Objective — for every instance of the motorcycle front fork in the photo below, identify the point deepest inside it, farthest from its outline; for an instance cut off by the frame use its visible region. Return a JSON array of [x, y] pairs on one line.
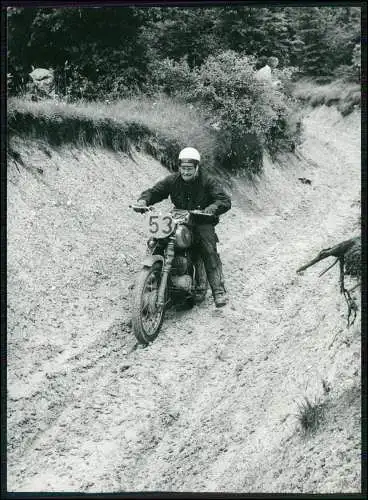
[[168, 259]]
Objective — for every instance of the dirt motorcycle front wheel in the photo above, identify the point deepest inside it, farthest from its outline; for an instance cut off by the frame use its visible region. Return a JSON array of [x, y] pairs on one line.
[[147, 318]]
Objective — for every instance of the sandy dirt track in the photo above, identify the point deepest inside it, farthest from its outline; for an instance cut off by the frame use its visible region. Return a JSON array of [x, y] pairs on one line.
[[212, 404]]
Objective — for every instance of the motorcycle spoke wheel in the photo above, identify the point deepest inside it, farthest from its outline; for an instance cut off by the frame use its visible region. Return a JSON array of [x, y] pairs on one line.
[[147, 317]]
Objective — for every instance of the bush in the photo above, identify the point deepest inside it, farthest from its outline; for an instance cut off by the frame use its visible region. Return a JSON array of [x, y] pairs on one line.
[[242, 115], [72, 84], [251, 115], [170, 77], [248, 116]]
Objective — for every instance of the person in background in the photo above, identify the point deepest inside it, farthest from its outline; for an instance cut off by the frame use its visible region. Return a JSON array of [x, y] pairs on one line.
[[265, 74], [42, 84], [193, 189]]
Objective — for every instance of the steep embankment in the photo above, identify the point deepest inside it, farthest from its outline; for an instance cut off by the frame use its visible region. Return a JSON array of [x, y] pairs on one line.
[[212, 404]]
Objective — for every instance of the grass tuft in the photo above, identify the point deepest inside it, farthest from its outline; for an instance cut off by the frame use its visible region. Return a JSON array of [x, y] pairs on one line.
[[346, 96], [311, 415]]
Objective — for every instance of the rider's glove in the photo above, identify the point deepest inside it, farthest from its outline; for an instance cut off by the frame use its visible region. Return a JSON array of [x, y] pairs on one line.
[[210, 210]]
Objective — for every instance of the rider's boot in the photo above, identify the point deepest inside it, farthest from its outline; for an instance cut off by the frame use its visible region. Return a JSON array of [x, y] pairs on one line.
[[216, 281], [220, 299]]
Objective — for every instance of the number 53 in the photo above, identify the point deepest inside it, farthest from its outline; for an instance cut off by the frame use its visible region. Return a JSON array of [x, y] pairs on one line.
[[159, 226]]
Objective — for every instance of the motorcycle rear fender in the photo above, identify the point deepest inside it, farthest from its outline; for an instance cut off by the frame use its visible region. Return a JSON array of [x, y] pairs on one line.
[[151, 259]]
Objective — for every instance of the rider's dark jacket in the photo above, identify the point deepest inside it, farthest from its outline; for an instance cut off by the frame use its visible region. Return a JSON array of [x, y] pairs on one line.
[[204, 191]]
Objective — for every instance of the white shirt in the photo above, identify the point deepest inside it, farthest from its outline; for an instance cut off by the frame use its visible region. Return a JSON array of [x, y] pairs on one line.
[[264, 74]]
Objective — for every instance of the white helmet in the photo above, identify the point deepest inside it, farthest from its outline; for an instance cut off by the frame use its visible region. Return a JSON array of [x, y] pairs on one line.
[[189, 154]]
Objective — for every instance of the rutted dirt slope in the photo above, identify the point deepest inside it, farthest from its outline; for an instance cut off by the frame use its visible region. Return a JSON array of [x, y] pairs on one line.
[[212, 404]]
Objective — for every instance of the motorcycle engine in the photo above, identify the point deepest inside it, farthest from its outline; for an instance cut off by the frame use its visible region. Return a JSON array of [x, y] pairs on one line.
[[180, 265], [182, 283]]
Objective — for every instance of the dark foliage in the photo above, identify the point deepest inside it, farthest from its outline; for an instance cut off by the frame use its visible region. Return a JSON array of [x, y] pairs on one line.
[[93, 50], [202, 56], [99, 51]]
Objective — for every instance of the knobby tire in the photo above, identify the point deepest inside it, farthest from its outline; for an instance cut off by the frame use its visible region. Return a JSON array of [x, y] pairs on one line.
[[145, 280]]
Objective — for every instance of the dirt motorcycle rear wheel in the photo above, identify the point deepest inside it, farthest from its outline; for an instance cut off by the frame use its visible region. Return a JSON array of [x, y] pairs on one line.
[[146, 317]]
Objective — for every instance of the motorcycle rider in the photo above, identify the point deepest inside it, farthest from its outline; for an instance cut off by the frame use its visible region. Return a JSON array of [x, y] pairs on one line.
[[193, 189]]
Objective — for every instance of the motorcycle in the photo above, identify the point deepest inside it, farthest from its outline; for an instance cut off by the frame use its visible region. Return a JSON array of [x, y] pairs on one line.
[[172, 272]]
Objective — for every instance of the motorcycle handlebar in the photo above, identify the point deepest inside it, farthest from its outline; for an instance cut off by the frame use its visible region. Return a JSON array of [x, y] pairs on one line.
[[201, 213]]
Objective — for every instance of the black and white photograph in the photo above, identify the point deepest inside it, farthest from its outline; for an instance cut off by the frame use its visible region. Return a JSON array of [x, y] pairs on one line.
[[184, 248]]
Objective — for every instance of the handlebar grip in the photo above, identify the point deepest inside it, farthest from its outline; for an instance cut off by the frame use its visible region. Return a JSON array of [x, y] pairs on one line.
[[140, 209]]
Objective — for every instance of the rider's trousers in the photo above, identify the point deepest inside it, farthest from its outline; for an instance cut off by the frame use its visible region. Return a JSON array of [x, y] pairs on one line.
[[206, 241]]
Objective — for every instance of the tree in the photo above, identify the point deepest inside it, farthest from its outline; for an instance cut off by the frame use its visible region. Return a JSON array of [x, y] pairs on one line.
[[277, 42], [98, 44], [243, 30], [19, 19], [311, 29], [295, 41], [176, 32], [105, 49], [341, 35], [322, 38]]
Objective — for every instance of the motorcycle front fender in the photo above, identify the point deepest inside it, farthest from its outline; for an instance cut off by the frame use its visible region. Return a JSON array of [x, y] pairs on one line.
[[151, 259]]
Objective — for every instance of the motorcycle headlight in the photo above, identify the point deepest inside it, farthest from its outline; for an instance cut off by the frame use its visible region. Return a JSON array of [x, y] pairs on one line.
[[183, 237], [151, 243]]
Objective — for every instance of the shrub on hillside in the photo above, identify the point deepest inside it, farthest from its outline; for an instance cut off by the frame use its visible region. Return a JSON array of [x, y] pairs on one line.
[[72, 84], [170, 77], [251, 115], [248, 115]]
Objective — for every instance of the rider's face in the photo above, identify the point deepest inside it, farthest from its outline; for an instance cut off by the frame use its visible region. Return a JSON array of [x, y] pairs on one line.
[[188, 171]]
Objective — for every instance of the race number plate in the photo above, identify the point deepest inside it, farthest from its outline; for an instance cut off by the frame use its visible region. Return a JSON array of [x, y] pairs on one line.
[[160, 226]]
